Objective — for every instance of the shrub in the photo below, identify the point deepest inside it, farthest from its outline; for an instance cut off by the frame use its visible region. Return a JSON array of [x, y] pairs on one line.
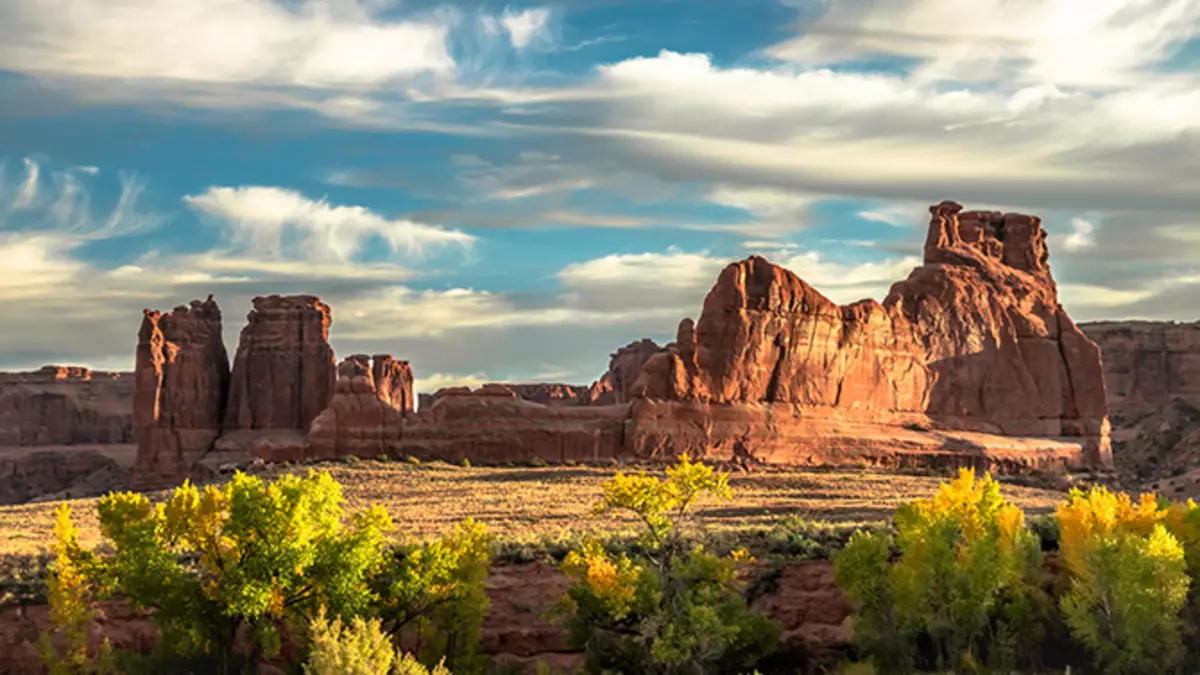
[[70, 597], [1128, 583], [963, 583], [677, 609], [359, 648], [437, 589], [538, 463], [243, 556], [412, 460]]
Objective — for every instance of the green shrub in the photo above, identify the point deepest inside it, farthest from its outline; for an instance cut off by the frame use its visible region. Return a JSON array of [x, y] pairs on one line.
[[678, 609], [70, 599], [1129, 581], [965, 583], [538, 463], [408, 665], [412, 460], [466, 463], [359, 648], [438, 589], [243, 556]]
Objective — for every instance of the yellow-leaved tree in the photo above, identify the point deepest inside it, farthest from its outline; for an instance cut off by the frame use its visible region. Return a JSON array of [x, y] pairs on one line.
[[964, 583]]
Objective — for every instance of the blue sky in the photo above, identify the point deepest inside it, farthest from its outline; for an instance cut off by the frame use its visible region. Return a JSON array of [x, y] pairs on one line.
[[511, 191]]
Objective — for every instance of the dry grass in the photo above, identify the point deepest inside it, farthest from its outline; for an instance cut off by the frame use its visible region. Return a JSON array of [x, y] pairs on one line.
[[539, 504]]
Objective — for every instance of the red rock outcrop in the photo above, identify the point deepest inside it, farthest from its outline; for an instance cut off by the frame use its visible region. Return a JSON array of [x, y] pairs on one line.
[[616, 385], [65, 405], [1153, 374], [181, 378], [493, 425], [552, 394], [364, 419], [974, 340], [284, 370]]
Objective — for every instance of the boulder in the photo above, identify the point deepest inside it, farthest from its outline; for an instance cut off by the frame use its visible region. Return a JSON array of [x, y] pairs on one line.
[[616, 385], [181, 377]]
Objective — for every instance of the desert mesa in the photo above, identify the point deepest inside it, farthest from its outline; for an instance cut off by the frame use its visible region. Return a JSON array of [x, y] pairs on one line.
[[970, 361]]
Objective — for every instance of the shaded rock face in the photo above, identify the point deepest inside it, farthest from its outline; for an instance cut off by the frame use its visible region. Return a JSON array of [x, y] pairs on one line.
[[551, 394], [365, 416], [1153, 375], [65, 405], [52, 475], [624, 368], [284, 370], [974, 340], [181, 378]]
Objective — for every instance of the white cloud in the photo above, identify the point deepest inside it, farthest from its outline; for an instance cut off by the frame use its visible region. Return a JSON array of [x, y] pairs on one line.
[[674, 268], [436, 381], [260, 218], [1083, 235], [29, 189], [897, 215], [846, 283], [318, 44], [526, 26], [1062, 42]]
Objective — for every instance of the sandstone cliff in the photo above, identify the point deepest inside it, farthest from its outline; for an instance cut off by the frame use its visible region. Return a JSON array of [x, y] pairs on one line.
[[284, 371], [180, 384], [364, 418], [62, 405], [1153, 375], [973, 340]]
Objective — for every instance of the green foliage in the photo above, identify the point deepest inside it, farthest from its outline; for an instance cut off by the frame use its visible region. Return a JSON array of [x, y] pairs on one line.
[[538, 463], [360, 648], [409, 665], [70, 597], [1129, 581], [437, 590], [964, 581], [245, 556], [412, 460], [673, 610]]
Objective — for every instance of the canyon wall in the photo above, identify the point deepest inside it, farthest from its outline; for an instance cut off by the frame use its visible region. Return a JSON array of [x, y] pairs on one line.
[[1153, 375]]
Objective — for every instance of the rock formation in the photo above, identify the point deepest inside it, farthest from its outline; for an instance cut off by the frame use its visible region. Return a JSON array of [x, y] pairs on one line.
[[551, 394], [284, 370], [62, 405], [973, 340], [1153, 375], [624, 368], [366, 414], [181, 378]]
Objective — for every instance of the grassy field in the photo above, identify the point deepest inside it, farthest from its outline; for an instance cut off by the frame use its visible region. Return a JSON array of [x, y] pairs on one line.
[[537, 505]]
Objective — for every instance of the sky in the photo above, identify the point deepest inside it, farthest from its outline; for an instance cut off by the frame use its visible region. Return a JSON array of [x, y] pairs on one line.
[[510, 192]]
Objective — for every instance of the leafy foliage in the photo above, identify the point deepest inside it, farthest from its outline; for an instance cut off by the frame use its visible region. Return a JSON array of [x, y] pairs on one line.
[[964, 582], [246, 556], [360, 648], [437, 590], [676, 609], [69, 597], [1129, 580]]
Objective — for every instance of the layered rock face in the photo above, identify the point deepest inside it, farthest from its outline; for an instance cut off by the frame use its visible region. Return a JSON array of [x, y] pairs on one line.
[[1153, 375], [974, 340], [624, 368], [284, 371], [551, 394], [180, 386], [64, 405], [366, 414]]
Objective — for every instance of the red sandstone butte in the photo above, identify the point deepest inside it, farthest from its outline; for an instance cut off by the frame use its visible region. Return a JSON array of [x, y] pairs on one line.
[[181, 378], [974, 340], [284, 371], [363, 419]]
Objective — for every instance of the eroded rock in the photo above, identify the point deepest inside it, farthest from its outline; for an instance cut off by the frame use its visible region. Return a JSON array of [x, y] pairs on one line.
[[181, 378]]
